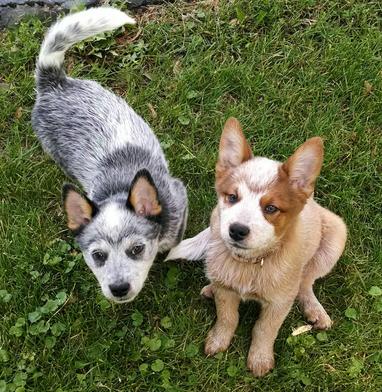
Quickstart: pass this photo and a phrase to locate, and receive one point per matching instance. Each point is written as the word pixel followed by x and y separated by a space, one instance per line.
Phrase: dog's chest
pixel 249 281
pixel 268 282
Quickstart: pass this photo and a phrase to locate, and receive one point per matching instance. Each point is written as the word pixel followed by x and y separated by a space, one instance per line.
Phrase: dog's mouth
pixel 239 250
pixel 235 246
pixel 238 245
pixel 122 300
pixel 246 252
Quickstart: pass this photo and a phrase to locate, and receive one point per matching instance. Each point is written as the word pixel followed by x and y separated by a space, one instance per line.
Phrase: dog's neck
pixel 248 260
pixel 253 259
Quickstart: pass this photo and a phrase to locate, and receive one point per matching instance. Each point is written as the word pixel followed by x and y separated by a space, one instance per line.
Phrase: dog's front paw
pixel 317 316
pixel 315 313
pixel 216 342
pixel 260 364
pixel 321 321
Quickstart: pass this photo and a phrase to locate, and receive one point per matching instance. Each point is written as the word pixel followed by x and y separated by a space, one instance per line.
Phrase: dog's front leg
pixel 261 358
pixel 227 305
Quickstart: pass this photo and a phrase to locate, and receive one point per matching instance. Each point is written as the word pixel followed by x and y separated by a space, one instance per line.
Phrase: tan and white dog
pixel 268 241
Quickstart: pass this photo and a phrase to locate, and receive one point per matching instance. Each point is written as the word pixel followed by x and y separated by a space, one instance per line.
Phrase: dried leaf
pixel 367 88
pixel 329 367
pixel 177 67
pixel 147 75
pixel 152 110
pixel 19 112
pixel 302 329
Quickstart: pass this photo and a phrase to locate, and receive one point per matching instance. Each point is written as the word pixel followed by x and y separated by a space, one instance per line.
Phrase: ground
pixel 288 70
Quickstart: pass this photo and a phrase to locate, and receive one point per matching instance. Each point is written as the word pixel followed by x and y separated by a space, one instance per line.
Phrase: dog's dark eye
pixel 136 250
pixel 99 257
pixel 232 198
pixel 270 209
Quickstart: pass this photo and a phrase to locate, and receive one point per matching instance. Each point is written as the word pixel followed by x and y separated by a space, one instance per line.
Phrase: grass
pixel 288 70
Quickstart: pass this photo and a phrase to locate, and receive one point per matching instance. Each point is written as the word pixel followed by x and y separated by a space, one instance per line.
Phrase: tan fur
pixel 310 241
pixel 78 210
pixel 144 198
pixel 297 167
pixel 233 150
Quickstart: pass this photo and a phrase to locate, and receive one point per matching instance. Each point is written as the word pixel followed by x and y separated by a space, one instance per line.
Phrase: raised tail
pixel 194 248
pixel 68 31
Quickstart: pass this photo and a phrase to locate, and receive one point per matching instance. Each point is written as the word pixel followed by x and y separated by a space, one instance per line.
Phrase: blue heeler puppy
pixel 133 208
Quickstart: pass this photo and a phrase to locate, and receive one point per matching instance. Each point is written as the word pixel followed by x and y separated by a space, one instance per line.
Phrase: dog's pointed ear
pixel 143 197
pixel 79 209
pixel 234 148
pixel 304 166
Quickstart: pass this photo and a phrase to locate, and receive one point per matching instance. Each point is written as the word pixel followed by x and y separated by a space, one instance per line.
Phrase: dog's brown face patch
pixel 227 186
pixel 294 185
pixel 286 200
pixel 304 166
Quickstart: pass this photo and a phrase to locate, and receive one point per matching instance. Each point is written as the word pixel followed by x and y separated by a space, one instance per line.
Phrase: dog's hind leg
pixel 208 291
pixel 331 247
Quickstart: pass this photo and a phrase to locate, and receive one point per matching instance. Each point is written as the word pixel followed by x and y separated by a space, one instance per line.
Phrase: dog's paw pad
pixel 321 322
pixel 260 365
pixel 319 319
pixel 316 314
pixel 215 344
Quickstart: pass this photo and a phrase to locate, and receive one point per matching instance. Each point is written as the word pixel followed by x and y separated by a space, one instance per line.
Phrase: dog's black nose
pixel 119 290
pixel 238 232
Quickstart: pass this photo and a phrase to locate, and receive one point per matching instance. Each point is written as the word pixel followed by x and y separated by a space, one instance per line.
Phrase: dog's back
pixel 79 123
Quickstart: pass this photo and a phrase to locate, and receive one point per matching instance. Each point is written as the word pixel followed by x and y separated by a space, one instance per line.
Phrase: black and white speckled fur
pixel 100 141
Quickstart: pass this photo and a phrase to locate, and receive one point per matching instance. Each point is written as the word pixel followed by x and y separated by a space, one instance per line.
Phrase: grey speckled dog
pixel 133 208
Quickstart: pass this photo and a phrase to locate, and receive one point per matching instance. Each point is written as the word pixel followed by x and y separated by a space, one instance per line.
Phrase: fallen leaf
pixel 367 88
pixel 147 75
pixel 177 67
pixel 302 329
pixel 330 368
pixel 19 112
pixel 152 110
